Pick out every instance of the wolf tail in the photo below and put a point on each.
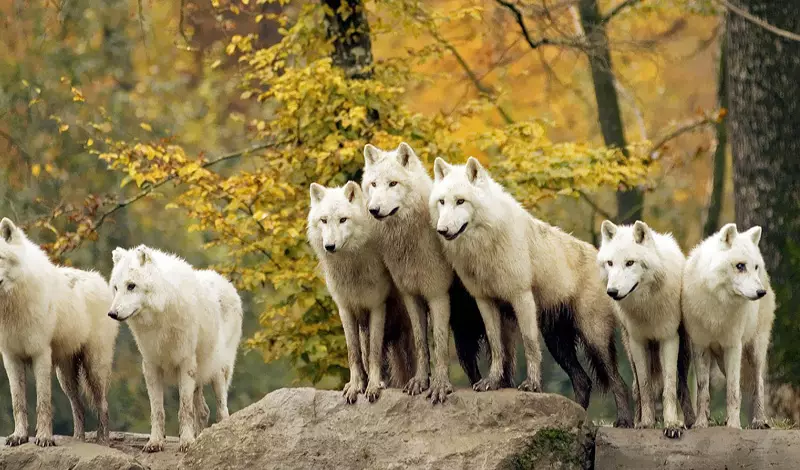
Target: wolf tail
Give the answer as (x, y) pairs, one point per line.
(469, 333)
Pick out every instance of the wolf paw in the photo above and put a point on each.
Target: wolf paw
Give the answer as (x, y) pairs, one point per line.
(700, 424)
(759, 424)
(153, 446)
(623, 423)
(373, 392)
(528, 385)
(734, 424)
(416, 385)
(351, 390)
(185, 442)
(44, 441)
(14, 440)
(673, 431)
(488, 383)
(439, 391)
(644, 424)
(79, 435)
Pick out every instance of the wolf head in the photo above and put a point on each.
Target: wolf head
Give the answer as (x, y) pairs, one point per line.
(628, 258)
(12, 245)
(456, 196)
(739, 261)
(134, 281)
(338, 219)
(391, 179)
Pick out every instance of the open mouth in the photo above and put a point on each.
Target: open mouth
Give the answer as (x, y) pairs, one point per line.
(629, 292)
(460, 231)
(393, 212)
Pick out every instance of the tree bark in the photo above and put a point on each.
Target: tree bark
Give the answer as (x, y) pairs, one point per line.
(348, 28)
(630, 202)
(718, 181)
(764, 96)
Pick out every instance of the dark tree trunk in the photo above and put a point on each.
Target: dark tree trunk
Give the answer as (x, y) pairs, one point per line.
(348, 28)
(718, 181)
(631, 202)
(764, 96)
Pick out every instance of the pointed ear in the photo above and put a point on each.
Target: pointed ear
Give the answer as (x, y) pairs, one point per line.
(317, 193)
(755, 234)
(352, 191)
(641, 232)
(118, 253)
(143, 254)
(608, 230)
(728, 234)
(440, 168)
(405, 154)
(7, 229)
(474, 169)
(371, 154)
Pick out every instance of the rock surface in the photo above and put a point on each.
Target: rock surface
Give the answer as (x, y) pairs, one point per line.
(308, 428)
(715, 448)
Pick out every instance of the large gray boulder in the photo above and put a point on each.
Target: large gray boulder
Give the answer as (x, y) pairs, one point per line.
(307, 428)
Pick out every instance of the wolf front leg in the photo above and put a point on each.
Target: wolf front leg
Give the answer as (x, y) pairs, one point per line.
(67, 373)
(440, 315)
(419, 326)
(15, 369)
(491, 320)
(187, 384)
(759, 361)
(702, 371)
(669, 369)
(377, 320)
(525, 308)
(733, 368)
(354, 359)
(42, 371)
(639, 354)
(153, 378)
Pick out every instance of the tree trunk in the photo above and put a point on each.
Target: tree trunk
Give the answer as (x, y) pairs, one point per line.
(348, 28)
(764, 96)
(718, 181)
(631, 202)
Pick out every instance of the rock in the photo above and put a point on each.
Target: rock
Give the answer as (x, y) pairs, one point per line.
(698, 449)
(307, 428)
(125, 453)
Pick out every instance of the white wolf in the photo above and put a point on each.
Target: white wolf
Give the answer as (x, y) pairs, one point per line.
(397, 188)
(51, 315)
(505, 256)
(728, 307)
(642, 270)
(343, 236)
(187, 324)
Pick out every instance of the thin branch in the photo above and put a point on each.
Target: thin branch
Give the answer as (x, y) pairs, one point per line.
(15, 144)
(140, 10)
(689, 127)
(758, 21)
(526, 34)
(182, 30)
(617, 9)
(594, 205)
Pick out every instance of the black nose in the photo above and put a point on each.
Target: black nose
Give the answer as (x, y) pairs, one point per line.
(330, 248)
(613, 293)
(442, 232)
(375, 212)
(113, 315)
(761, 293)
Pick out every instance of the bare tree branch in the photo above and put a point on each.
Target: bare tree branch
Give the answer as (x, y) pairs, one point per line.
(758, 21)
(526, 34)
(595, 206)
(688, 127)
(617, 9)
(182, 30)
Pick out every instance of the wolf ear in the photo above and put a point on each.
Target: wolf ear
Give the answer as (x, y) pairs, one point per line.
(641, 232)
(371, 154)
(317, 193)
(405, 154)
(729, 233)
(755, 234)
(143, 254)
(352, 191)
(440, 168)
(7, 229)
(608, 230)
(474, 169)
(117, 254)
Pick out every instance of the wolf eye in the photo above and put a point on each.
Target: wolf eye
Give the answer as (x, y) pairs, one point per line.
(343, 220)
(741, 267)
(441, 201)
(131, 286)
(115, 288)
(373, 184)
(459, 202)
(324, 220)
(628, 263)
(393, 184)
(610, 263)
(756, 267)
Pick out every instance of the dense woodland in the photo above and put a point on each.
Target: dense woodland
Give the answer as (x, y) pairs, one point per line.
(197, 126)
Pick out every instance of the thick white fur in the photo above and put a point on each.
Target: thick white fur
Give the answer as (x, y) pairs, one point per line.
(52, 316)
(187, 325)
(504, 254)
(397, 188)
(642, 270)
(725, 316)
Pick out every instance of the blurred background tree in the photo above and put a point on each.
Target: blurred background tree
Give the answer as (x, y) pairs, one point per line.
(215, 116)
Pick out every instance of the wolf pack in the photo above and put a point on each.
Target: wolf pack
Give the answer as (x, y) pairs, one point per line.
(402, 249)
(398, 251)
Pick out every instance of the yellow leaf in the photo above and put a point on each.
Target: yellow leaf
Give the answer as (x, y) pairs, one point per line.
(259, 18)
(216, 64)
(36, 169)
(90, 142)
(146, 127)
(246, 2)
(63, 128)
